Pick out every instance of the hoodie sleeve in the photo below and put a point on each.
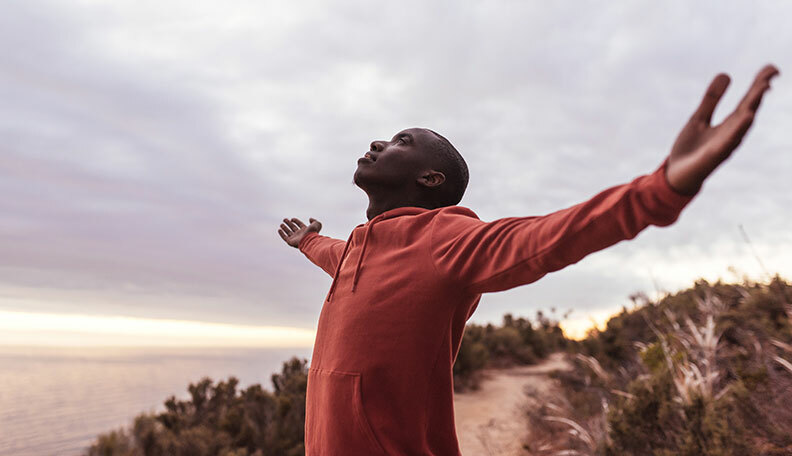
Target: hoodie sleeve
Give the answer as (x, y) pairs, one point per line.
(323, 251)
(505, 253)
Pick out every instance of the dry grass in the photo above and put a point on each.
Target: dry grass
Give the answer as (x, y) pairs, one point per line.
(709, 373)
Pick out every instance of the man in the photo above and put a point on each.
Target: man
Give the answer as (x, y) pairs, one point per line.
(405, 282)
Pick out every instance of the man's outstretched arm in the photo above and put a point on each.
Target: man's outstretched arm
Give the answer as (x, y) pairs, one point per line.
(321, 250)
(499, 255)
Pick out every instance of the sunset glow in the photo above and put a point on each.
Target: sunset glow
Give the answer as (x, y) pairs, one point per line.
(576, 328)
(51, 329)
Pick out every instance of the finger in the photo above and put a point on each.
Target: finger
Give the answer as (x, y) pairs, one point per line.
(761, 84)
(283, 235)
(733, 130)
(312, 220)
(711, 98)
(298, 222)
(290, 224)
(743, 125)
(316, 223)
(753, 98)
(286, 229)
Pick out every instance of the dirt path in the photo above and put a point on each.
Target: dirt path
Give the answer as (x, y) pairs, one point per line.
(491, 421)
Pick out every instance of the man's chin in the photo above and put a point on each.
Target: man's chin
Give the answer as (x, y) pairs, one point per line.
(358, 179)
(365, 181)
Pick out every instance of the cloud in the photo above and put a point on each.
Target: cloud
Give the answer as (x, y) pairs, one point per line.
(149, 150)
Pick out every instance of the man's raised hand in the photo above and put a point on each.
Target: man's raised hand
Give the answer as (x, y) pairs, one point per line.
(293, 230)
(701, 147)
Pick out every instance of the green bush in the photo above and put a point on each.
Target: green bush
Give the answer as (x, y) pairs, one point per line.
(218, 419)
(471, 359)
(517, 341)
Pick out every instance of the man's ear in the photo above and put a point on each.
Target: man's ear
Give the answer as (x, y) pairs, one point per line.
(431, 178)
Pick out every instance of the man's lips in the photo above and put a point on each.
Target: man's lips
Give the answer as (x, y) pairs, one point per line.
(368, 158)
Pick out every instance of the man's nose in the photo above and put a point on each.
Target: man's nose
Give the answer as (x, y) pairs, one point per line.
(377, 146)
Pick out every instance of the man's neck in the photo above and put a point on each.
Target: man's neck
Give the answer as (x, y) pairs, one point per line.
(379, 204)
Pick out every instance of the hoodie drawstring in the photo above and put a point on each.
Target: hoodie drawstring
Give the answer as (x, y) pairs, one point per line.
(338, 268)
(362, 252)
(359, 263)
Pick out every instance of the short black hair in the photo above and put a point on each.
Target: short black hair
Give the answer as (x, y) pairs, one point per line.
(453, 166)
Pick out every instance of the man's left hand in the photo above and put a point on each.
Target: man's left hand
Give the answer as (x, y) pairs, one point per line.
(701, 147)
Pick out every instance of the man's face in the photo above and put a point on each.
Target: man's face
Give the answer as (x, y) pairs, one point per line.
(396, 163)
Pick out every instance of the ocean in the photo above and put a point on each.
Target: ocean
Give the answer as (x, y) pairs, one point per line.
(55, 401)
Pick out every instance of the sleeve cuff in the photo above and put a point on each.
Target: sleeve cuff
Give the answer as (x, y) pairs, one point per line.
(304, 241)
(659, 181)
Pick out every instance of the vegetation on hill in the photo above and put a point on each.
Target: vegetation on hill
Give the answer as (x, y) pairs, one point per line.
(517, 341)
(219, 420)
(706, 371)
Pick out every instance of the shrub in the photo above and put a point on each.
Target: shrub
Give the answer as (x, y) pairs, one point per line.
(218, 419)
(517, 341)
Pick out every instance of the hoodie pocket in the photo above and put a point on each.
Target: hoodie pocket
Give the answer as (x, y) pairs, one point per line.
(335, 420)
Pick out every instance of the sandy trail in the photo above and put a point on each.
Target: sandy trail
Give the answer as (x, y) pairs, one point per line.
(491, 421)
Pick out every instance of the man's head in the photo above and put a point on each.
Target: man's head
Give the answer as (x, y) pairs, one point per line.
(417, 164)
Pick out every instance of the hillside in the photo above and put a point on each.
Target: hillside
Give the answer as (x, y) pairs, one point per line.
(706, 371)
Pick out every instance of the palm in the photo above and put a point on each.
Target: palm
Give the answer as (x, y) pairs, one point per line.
(701, 147)
(292, 231)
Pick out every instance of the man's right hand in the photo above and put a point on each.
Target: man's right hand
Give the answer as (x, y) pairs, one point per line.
(293, 230)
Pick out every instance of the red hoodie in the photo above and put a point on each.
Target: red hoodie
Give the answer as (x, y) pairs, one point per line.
(404, 285)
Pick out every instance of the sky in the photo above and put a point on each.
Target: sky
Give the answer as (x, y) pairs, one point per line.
(149, 150)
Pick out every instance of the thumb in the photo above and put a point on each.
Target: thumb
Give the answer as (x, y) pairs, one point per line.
(316, 224)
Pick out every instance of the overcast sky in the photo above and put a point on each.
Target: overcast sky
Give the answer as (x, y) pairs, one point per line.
(149, 149)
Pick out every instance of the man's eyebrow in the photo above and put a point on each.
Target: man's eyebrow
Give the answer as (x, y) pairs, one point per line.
(403, 135)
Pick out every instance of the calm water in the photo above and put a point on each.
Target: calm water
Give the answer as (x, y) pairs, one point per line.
(55, 401)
